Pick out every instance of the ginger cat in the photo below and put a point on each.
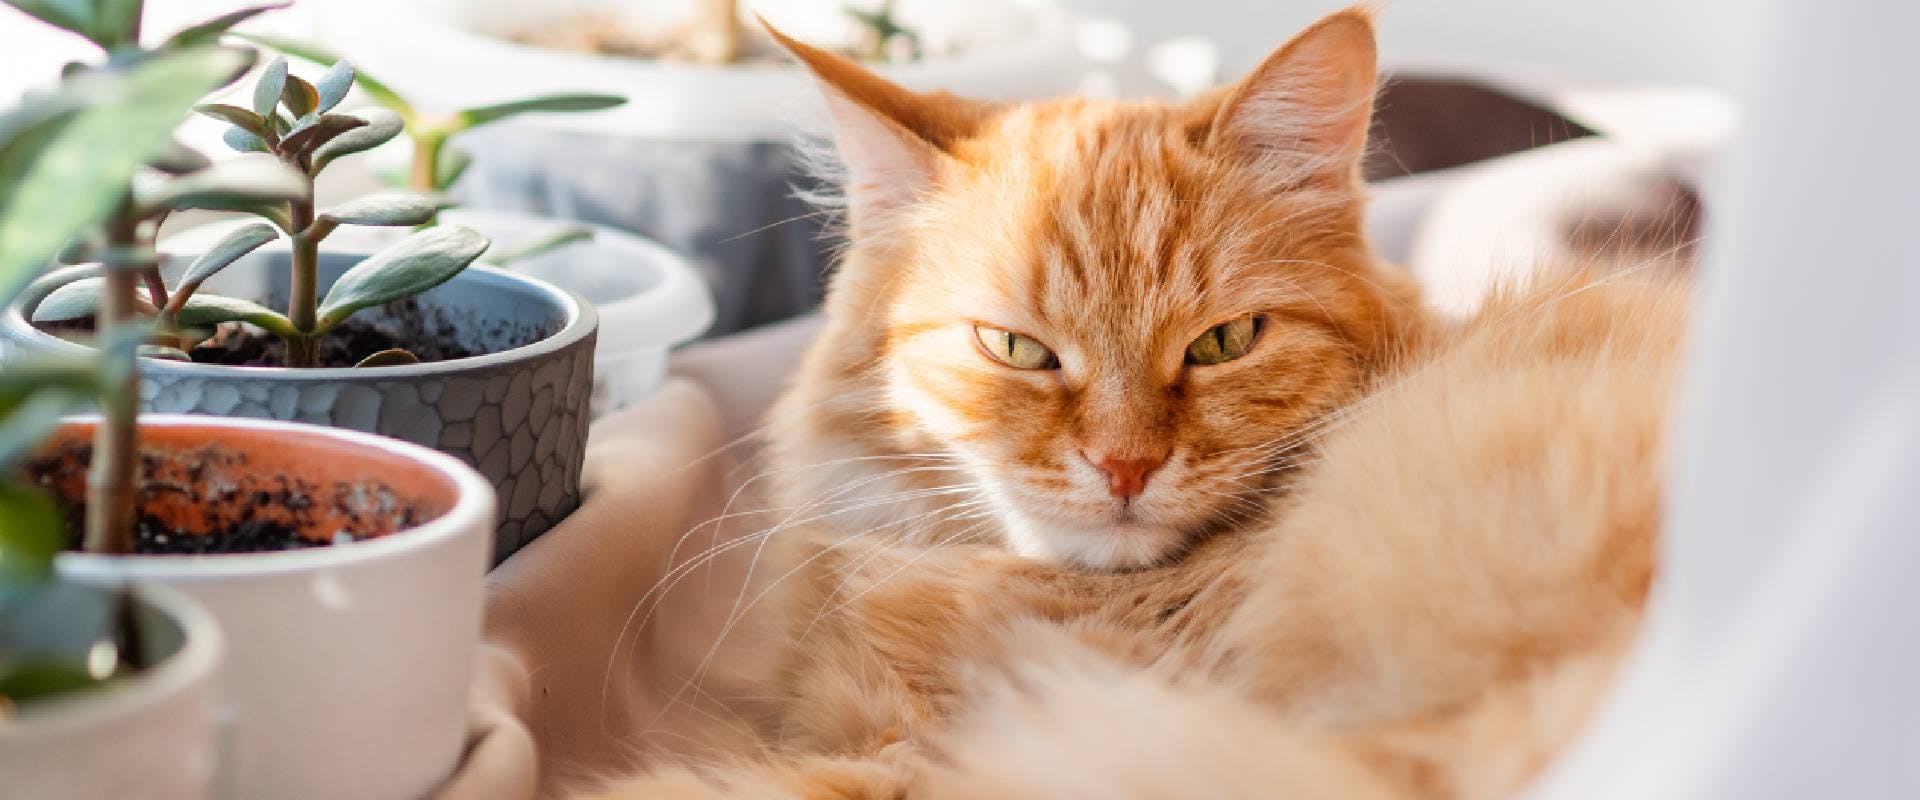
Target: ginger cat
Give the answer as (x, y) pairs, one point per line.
(1151, 481)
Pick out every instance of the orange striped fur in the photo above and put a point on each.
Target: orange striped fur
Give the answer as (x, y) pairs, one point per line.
(1385, 556)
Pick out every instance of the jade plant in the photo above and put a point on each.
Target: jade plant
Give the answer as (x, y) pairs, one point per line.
(884, 33)
(68, 159)
(436, 163)
(287, 136)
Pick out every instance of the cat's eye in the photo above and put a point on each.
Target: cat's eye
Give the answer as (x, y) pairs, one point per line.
(1224, 342)
(1015, 350)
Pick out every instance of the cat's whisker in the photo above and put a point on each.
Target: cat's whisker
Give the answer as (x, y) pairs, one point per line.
(962, 510)
(727, 509)
(821, 213)
(666, 582)
(760, 549)
(855, 597)
(852, 505)
(922, 521)
(738, 723)
(671, 580)
(739, 612)
(1332, 266)
(849, 506)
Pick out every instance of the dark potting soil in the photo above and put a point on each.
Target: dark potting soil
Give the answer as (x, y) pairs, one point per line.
(153, 536)
(429, 335)
(265, 516)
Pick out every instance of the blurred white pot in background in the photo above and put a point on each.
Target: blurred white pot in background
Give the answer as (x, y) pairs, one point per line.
(699, 159)
(450, 54)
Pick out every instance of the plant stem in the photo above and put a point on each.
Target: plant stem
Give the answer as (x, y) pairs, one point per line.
(304, 298)
(156, 288)
(110, 481)
(425, 173)
(716, 35)
(302, 351)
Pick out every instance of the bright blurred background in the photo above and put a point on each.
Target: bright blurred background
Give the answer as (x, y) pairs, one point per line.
(698, 159)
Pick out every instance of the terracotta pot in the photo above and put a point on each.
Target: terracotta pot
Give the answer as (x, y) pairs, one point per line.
(151, 734)
(349, 663)
(518, 413)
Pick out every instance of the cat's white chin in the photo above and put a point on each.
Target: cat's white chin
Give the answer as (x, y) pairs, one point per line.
(1108, 546)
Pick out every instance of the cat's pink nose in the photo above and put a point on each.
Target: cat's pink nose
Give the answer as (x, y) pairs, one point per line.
(1127, 477)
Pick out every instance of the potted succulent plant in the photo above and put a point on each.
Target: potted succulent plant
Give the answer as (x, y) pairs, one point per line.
(142, 724)
(488, 365)
(344, 569)
(712, 180)
(121, 680)
(647, 297)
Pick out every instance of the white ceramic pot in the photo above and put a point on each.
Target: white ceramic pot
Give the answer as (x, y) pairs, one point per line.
(348, 665)
(448, 55)
(649, 298)
(150, 735)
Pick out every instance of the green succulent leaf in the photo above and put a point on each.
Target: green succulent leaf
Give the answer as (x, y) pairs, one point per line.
(238, 242)
(243, 142)
(67, 169)
(22, 255)
(299, 124)
(382, 125)
(334, 85)
(418, 263)
(76, 300)
(205, 310)
(274, 211)
(554, 240)
(241, 118)
(387, 208)
(17, 122)
(273, 82)
(164, 353)
(453, 164)
(307, 51)
(27, 377)
(474, 117)
(26, 680)
(300, 96)
(107, 23)
(79, 300)
(32, 530)
(253, 178)
(392, 357)
(323, 129)
(78, 251)
(28, 422)
(178, 159)
(210, 31)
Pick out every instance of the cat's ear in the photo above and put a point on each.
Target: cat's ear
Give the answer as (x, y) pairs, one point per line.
(892, 141)
(1302, 115)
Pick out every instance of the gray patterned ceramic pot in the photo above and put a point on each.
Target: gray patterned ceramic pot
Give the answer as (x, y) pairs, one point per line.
(518, 413)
